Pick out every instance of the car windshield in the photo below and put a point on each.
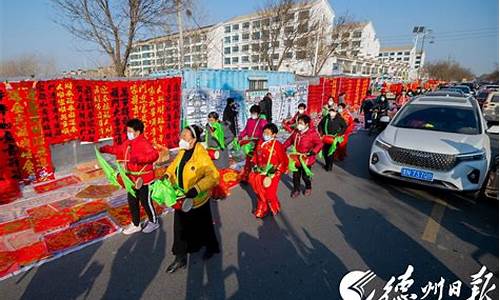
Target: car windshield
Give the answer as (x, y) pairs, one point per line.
(451, 119)
(494, 99)
(463, 88)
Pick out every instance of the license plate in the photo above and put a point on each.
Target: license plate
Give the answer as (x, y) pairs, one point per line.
(417, 174)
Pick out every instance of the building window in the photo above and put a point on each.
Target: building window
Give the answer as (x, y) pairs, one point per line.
(245, 59)
(236, 48)
(235, 60)
(290, 17)
(276, 56)
(300, 55)
(245, 36)
(406, 59)
(255, 47)
(255, 67)
(393, 53)
(266, 22)
(227, 40)
(227, 61)
(236, 38)
(246, 25)
(400, 53)
(245, 48)
(399, 58)
(227, 29)
(256, 36)
(146, 48)
(356, 44)
(196, 48)
(276, 44)
(289, 55)
(227, 50)
(356, 34)
(187, 58)
(256, 24)
(236, 26)
(386, 54)
(303, 14)
(255, 58)
(257, 85)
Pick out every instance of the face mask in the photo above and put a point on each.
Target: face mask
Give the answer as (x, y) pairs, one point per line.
(183, 144)
(255, 117)
(340, 110)
(301, 111)
(267, 137)
(301, 127)
(130, 135)
(382, 98)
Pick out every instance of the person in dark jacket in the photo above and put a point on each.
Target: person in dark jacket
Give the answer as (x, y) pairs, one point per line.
(230, 115)
(266, 107)
(366, 108)
(332, 124)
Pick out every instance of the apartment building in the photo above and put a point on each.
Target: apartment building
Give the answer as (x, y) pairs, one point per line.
(162, 53)
(245, 37)
(406, 54)
(357, 40)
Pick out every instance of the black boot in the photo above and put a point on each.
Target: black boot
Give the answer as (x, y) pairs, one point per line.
(180, 262)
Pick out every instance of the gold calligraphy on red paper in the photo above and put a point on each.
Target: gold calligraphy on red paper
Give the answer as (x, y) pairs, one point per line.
(67, 110)
(34, 152)
(102, 106)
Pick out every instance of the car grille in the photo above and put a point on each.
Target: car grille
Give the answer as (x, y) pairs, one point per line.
(426, 160)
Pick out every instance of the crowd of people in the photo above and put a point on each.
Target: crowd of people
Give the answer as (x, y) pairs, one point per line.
(203, 152)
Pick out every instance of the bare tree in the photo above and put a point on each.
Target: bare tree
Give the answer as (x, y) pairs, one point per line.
(28, 65)
(112, 26)
(279, 33)
(327, 41)
(447, 70)
(492, 76)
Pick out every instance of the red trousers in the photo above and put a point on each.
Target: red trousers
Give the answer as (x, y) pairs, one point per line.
(267, 198)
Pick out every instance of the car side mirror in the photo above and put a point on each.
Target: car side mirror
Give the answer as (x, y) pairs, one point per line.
(492, 129)
(385, 119)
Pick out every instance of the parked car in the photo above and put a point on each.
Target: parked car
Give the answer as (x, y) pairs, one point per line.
(445, 93)
(435, 141)
(490, 108)
(481, 96)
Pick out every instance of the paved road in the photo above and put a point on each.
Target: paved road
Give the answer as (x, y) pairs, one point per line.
(351, 223)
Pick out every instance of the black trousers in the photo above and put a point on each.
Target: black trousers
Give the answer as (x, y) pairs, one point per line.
(328, 158)
(144, 197)
(296, 179)
(193, 230)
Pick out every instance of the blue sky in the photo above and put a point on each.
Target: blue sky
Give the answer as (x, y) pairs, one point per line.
(466, 31)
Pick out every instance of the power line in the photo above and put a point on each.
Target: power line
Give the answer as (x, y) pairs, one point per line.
(444, 32)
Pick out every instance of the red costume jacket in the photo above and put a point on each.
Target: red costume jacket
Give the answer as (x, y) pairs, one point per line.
(139, 156)
(279, 159)
(305, 142)
(291, 124)
(253, 129)
(346, 115)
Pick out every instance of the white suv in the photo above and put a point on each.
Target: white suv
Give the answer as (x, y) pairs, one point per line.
(435, 141)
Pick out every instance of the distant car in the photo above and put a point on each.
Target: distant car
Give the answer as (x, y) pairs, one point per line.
(481, 96)
(490, 107)
(445, 93)
(492, 87)
(435, 141)
(465, 89)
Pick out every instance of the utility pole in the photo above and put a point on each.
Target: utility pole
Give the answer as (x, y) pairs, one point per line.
(181, 36)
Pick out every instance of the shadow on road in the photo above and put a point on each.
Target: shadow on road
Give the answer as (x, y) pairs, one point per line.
(277, 264)
(70, 277)
(386, 250)
(213, 286)
(135, 265)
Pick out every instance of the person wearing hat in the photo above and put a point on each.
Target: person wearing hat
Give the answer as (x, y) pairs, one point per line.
(230, 115)
(270, 162)
(194, 173)
(334, 125)
(137, 155)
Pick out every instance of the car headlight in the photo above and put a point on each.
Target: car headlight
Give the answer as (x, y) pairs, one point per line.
(382, 144)
(477, 155)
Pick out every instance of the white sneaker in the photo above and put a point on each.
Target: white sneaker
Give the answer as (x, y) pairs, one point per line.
(150, 227)
(131, 229)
